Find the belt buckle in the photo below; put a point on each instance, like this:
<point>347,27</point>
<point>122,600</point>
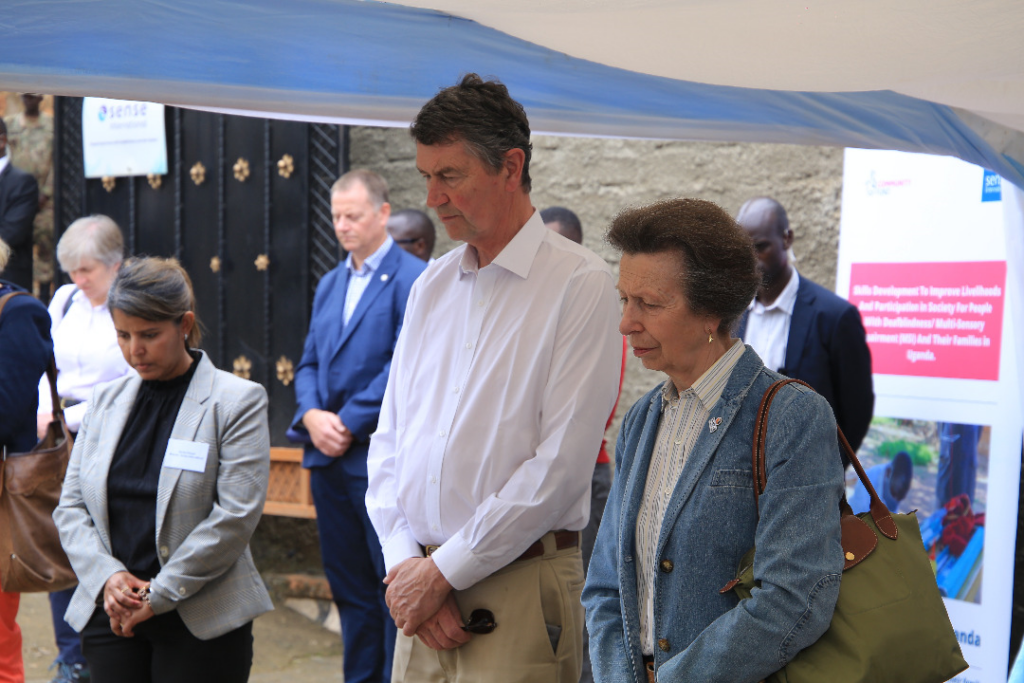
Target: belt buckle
<point>429,549</point>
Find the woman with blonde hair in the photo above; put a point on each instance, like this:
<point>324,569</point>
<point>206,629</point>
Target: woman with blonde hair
<point>165,486</point>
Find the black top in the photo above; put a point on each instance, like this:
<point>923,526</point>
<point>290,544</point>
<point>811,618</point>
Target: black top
<point>135,472</point>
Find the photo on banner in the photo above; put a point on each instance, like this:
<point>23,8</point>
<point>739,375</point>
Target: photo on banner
<point>923,256</point>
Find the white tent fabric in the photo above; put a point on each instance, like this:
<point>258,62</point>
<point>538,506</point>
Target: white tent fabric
<point>935,76</point>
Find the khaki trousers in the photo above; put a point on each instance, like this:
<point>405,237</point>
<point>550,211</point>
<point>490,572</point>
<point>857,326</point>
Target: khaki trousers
<point>535,603</point>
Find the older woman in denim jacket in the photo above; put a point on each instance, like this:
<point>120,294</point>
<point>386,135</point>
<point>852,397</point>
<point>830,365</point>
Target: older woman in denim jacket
<point>681,513</point>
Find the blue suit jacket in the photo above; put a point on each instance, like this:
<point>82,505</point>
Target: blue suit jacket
<point>25,351</point>
<point>828,349</point>
<point>344,368</point>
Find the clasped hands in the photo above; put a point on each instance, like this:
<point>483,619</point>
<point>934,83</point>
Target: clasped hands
<point>329,434</point>
<point>422,603</point>
<point>123,603</point>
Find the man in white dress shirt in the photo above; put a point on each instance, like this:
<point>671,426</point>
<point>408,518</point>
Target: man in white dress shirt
<point>500,386</point>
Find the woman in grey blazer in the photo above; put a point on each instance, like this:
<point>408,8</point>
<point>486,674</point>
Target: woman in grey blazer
<point>164,489</point>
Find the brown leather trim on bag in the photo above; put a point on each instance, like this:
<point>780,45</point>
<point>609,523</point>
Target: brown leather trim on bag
<point>858,540</point>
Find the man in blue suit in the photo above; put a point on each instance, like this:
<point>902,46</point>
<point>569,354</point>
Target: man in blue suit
<point>339,384</point>
<point>802,329</point>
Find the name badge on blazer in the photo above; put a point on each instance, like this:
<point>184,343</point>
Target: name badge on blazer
<point>186,455</point>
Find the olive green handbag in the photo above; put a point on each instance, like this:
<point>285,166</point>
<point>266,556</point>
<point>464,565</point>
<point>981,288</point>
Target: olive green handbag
<point>890,624</point>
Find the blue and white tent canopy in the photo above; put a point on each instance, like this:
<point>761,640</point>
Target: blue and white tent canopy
<point>936,76</point>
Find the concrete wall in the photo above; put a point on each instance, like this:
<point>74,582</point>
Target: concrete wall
<point>596,178</point>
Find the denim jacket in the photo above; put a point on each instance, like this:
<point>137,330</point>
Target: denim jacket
<point>702,635</point>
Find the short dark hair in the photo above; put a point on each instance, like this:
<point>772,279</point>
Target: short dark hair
<point>482,115</point>
<point>418,221</point>
<point>719,273</point>
<point>567,218</point>
<point>778,212</point>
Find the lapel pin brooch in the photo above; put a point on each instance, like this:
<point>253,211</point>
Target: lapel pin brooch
<point>384,277</point>
<point>713,424</point>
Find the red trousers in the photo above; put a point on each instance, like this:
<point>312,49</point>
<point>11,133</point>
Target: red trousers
<point>11,668</point>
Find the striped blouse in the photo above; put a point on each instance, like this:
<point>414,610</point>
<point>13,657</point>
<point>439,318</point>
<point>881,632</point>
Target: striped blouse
<point>683,417</point>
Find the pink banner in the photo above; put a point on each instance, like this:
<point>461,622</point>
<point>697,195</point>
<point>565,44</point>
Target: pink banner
<point>932,319</point>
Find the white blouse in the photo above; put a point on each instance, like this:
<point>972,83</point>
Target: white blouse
<point>86,350</point>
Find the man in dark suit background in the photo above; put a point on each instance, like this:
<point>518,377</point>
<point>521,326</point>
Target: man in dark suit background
<point>19,202</point>
<point>339,385</point>
<point>802,329</point>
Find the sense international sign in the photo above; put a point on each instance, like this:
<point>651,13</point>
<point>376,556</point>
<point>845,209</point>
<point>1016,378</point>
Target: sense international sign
<point>123,138</point>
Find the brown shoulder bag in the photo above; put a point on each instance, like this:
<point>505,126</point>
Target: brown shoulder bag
<point>31,558</point>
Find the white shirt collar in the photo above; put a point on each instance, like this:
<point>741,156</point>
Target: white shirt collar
<point>4,160</point>
<point>785,302</point>
<point>518,255</point>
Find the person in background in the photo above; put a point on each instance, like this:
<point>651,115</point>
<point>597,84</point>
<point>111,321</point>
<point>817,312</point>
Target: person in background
<point>85,347</point>
<point>413,230</point>
<point>567,224</point>
<point>339,384</point>
<point>19,202</point>
<point>891,480</point>
<point>958,461</point>
<point>803,330</point>
<point>30,137</point>
<point>25,351</point>
<point>165,487</point>
<point>681,514</point>
<point>500,387</point>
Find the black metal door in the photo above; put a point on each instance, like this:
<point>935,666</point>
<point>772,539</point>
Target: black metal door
<point>245,207</point>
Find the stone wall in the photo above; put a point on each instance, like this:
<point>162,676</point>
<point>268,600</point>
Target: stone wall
<point>597,177</point>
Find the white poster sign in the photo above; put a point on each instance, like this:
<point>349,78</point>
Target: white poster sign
<point>923,257</point>
<point>123,138</point>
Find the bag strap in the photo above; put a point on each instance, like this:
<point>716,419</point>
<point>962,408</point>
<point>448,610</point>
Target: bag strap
<point>51,369</point>
<point>879,512</point>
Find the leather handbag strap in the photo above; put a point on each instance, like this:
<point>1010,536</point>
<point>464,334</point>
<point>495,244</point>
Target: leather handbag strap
<point>879,512</point>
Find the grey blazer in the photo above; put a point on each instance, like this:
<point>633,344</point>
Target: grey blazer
<point>203,519</point>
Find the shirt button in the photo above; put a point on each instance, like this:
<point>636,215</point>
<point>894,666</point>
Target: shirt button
<point>442,433</point>
<point>182,591</point>
<point>433,480</point>
<point>434,527</point>
<point>663,645</point>
<point>469,345</point>
<point>666,566</point>
<point>455,390</point>
<point>164,551</point>
<point>480,303</point>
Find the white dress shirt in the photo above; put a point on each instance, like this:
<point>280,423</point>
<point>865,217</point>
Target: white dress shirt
<point>4,160</point>
<point>359,278</point>
<point>86,350</point>
<point>500,387</point>
<point>768,326</point>
<point>684,417</point>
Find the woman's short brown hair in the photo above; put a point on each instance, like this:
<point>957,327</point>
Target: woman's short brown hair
<point>718,271</point>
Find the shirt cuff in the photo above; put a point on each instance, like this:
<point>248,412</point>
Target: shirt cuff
<point>457,564</point>
<point>400,548</point>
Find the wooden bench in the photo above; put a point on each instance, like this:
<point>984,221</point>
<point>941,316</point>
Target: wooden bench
<point>288,493</point>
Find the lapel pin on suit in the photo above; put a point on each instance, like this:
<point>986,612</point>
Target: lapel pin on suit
<point>384,277</point>
<point>713,424</point>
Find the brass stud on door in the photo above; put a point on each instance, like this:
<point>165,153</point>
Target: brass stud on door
<point>262,262</point>
<point>241,169</point>
<point>198,173</point>
<point>286,166</point>
<point>215,264</point>
<point>285,370</point>
<point>241,367</point>
<point>155,181</point>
